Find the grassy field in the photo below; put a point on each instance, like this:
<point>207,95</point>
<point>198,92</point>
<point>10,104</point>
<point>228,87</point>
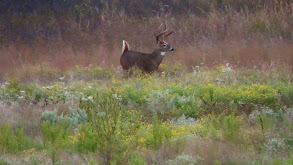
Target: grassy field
<point>178,115</point>
<point>244,33</point>
<point>223,97</point>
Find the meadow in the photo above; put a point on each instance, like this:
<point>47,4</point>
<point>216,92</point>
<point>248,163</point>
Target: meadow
<point>177,115</point>
<point>223,97</point>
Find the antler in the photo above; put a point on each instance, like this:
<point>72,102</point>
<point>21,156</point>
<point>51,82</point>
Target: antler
<point>161,33</point>
<point>168,34</point>
<point>162,25</point>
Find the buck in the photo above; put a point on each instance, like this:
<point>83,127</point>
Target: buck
<point>146,62</point>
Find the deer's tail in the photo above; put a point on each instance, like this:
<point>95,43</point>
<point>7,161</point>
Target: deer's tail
<point>125,46</point>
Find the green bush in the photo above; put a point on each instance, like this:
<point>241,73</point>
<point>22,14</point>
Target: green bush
<point>33,93</point>
<point>135,159</point>
<point>14,141</point>
<point>184,159</point>
<point>55,134</point>
<point>74,118</point>
<point>286,92</point>
<point>12,89</point>
<point>2,162</point>
<point>103,133</point>
<point>54,137</point>
<point>88,139</point>
<point>231,127</point>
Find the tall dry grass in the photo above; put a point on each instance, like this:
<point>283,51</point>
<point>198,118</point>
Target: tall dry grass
<point>240,36</point>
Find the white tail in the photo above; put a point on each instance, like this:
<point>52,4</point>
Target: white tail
<point>125,46</point>
<point>147,62</point>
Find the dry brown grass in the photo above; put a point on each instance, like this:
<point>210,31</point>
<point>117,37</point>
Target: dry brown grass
<point>244,38</point>
<point>239,54</point>
<point>210,151</point>
<point>43,157</point>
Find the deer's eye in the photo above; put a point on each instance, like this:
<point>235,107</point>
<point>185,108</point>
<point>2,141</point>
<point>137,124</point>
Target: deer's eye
<point>165,45</point>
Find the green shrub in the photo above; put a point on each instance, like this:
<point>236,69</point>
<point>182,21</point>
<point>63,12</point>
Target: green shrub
<point>266,118</point>
<point>161,132</point>
<point>133,95</point>
<point>210,126</point>
<point>74,118</point>
<point>33,93</point>
<point>135,159</point>
<point>50,116</point>
<point>275,145</point>
<point>13,85</point>
<point>231,127</point>
<point>2,162</point>
<point>87,139</point>
<point>55,134</point>
<point>157,134</point>
<point>184,159</point>
<point>103,133</point>
<point>286,92</point>
<point>13,88</point>
<point>14,141</point>
<point>54,137</point>
<point>159,101</point>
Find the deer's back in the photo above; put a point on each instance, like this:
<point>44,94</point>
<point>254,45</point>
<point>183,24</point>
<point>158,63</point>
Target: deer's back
<point>144,61</point>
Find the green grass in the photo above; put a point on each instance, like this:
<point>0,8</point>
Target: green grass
<point>180,116</point>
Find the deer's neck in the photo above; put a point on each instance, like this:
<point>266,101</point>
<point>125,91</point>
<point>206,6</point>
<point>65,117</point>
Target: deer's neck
<point>158,55</point>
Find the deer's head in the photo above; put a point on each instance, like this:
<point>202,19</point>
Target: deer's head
<point>160,38</point>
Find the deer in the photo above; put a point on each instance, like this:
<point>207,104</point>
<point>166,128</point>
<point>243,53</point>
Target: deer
<point>147,62</point>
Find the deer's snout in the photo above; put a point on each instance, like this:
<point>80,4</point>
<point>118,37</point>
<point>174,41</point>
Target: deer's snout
<point>171,49</point>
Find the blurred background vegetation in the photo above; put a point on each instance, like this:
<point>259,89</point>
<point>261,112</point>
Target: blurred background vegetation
<point>50,19</point>
<point>70,32</point>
